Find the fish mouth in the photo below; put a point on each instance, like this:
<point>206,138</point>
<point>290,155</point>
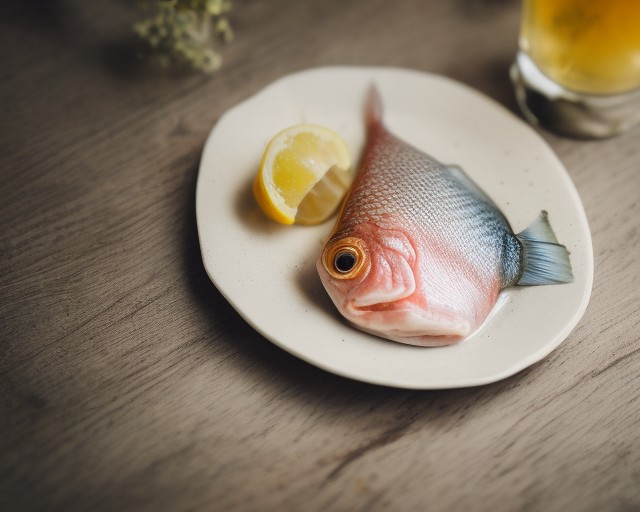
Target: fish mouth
<point>406,325</point>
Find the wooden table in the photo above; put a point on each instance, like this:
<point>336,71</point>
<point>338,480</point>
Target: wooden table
<point>127,382</point>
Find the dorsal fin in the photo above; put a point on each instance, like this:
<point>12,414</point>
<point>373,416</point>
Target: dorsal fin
<point>373,108</point>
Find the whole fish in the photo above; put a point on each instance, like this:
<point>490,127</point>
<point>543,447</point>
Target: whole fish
<point>420,253</point>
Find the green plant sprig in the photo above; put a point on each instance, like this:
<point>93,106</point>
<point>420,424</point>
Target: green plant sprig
<point>186,31</point>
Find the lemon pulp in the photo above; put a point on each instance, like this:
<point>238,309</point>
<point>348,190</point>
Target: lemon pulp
<point>304,174</point>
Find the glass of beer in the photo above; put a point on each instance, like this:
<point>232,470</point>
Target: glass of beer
<point>578,65</point>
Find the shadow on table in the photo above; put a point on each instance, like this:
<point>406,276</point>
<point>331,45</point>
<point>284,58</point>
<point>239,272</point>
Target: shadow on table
<point>43,14</point>
<point>122,53</point>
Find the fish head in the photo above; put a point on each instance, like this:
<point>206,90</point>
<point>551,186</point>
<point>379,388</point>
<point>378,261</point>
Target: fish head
<point>372,276</point>
<point>368,266</point>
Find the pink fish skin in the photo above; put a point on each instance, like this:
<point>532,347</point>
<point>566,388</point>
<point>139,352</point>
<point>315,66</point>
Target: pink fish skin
<point>419,253</point>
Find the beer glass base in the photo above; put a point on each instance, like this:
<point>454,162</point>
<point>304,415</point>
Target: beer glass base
<point>543,101</point>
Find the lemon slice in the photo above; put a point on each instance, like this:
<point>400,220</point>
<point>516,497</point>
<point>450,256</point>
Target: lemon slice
<point>304,174</point>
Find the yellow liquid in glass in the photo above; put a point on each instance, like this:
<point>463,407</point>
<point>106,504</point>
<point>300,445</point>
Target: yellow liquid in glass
<point>590,46</point>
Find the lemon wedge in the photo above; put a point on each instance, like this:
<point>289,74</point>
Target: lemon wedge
<point>304,174</point>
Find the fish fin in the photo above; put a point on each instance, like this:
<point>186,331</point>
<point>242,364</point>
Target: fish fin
<point>391,276</point>
<point>458,172</point>
<point>390,279</point>
<point>373,107</point>
<point>545,261</point>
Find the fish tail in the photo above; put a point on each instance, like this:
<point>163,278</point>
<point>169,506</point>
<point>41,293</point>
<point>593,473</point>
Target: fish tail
<point>373,107</point>
<point>545,261</point>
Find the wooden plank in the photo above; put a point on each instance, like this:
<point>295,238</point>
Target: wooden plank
<point>127,382</point>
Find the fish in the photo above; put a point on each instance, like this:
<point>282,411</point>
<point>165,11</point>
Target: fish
<point>420,253</point>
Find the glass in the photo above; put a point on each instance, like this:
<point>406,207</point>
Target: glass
<point>578,65</point>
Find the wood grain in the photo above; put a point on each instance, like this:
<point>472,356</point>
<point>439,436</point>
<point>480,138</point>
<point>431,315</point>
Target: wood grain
<point>127,382</point>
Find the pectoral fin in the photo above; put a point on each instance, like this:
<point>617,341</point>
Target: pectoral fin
<point>390,275</point>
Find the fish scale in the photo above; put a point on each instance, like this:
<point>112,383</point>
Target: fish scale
<point>400,184</point>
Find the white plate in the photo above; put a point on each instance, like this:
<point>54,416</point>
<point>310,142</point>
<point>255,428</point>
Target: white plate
<point>267,271</point>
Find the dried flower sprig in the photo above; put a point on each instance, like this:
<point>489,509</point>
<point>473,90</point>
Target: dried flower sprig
<point>186,31</point>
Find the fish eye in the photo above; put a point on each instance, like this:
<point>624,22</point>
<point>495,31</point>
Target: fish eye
<point>344,258</point>
<point>344,261</point>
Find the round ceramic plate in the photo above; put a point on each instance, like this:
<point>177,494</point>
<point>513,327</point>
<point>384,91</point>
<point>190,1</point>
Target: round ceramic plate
<point>267,271</point>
